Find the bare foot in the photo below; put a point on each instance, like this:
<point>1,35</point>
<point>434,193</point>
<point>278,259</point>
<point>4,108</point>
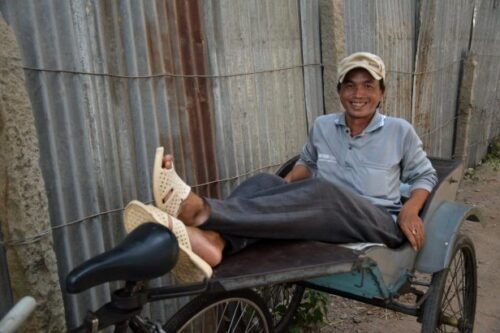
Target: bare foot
<point>193,210</point>
<point>207,244</point>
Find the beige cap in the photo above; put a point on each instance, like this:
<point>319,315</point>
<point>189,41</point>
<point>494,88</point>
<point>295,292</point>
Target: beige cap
<point>371,62</point>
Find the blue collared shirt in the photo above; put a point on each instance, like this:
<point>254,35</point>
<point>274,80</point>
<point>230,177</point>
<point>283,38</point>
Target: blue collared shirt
<point>374,163</point>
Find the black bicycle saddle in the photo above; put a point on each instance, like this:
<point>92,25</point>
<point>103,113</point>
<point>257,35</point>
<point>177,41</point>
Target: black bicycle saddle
<point>149,251</point>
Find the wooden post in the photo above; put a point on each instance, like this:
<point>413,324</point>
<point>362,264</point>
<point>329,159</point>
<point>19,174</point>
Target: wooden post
<point>332,49</point>
<point>465,109</point>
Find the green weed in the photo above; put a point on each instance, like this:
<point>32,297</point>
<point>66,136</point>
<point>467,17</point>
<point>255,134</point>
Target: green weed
<point>312,312</point>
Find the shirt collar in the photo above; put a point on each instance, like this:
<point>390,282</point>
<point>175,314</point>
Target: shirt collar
<point>377,121</point>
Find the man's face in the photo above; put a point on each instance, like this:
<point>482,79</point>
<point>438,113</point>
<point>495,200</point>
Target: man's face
<point>360,94</point>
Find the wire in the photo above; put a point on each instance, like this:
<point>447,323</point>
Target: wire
<point>43,234</point>
<point>166,74</point>
<point>444,67</point>
<point>206,76</point>
<point>35,238</point>
<point>236,177</point>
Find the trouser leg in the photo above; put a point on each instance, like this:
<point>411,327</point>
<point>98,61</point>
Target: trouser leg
<point>250,188</point>
<point>312,209</point>
<point>254,186</point>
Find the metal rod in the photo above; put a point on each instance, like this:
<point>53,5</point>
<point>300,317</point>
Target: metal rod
<point>383,303</point>
<point>156,294</point>
<point>17,315</point>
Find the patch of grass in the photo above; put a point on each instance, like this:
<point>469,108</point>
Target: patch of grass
<point>493,155</point>
<point>495,163</point>
<point>311,313</point>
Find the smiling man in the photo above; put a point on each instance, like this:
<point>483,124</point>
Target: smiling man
<point>344,188</point>
<point>367,152</point>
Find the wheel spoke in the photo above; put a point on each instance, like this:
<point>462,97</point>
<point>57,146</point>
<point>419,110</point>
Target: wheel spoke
<point>452,308</point>
<point>222,316</point>
<point>452,300</point>
<point>241,311</point>
<point>231,324</point>
<point>243,319</point>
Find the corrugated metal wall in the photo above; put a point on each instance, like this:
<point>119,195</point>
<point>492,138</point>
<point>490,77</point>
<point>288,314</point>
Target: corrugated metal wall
<point>218,83</point>
<point>485,45</point>
<point>256,113</point>
<point>423,82</point>
<point>387,28</point>
<point>230,87</point>
<point>97,75</point>
<point>443,41</point>
<point>311,56</point>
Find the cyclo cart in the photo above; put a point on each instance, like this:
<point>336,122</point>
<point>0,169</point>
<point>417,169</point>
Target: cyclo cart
<point>260,288</point>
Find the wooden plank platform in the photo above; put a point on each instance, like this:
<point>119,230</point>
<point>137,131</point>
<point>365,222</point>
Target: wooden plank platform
<point>269,262</point>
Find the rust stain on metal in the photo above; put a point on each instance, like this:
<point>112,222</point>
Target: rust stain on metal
<point>192,59</point>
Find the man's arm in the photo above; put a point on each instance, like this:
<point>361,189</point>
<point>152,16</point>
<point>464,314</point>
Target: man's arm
<point>298,172</point>
<point>419,173</point>
<point>409,221</point>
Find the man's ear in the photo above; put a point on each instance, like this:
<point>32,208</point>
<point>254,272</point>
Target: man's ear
<point>380,104</point>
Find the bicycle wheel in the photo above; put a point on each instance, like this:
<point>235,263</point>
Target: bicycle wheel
<point>234,311</point>
<point>451,305</point>
<point>282,300</point>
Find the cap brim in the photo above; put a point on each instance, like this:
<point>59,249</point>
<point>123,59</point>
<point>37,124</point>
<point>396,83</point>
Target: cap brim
<point>354,66</point>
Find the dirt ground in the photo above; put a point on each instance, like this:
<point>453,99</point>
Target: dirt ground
<point>480,187</point>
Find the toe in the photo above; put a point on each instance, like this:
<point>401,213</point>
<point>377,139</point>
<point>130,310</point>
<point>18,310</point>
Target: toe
<point>167,161</point>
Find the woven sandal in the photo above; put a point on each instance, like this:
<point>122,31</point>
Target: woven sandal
<point>169,190</point>
<point>190,267</point>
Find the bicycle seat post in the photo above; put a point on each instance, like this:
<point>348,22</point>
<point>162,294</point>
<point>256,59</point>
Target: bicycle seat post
<point>93,323</point>
<point>90,324</point>
<point>125,304</point>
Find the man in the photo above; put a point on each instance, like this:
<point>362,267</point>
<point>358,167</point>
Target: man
<point>344,188</point>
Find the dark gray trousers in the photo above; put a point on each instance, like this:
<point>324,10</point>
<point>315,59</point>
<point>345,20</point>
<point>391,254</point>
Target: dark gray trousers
<point>266,207</point>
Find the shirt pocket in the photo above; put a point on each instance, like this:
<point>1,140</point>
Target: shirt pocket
<point>329,169</point>
<point>373,180</point>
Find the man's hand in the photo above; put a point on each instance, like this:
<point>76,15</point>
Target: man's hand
<point>412,227</point>
<point>410,223</point>
<point>298,172</point>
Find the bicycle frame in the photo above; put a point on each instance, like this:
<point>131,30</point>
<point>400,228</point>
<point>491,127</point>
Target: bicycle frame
<point>127,303</point>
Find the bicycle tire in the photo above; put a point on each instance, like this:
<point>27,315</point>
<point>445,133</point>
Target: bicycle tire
<point>233,311</point>
<point>282,300</point>
<point>451,305</point>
